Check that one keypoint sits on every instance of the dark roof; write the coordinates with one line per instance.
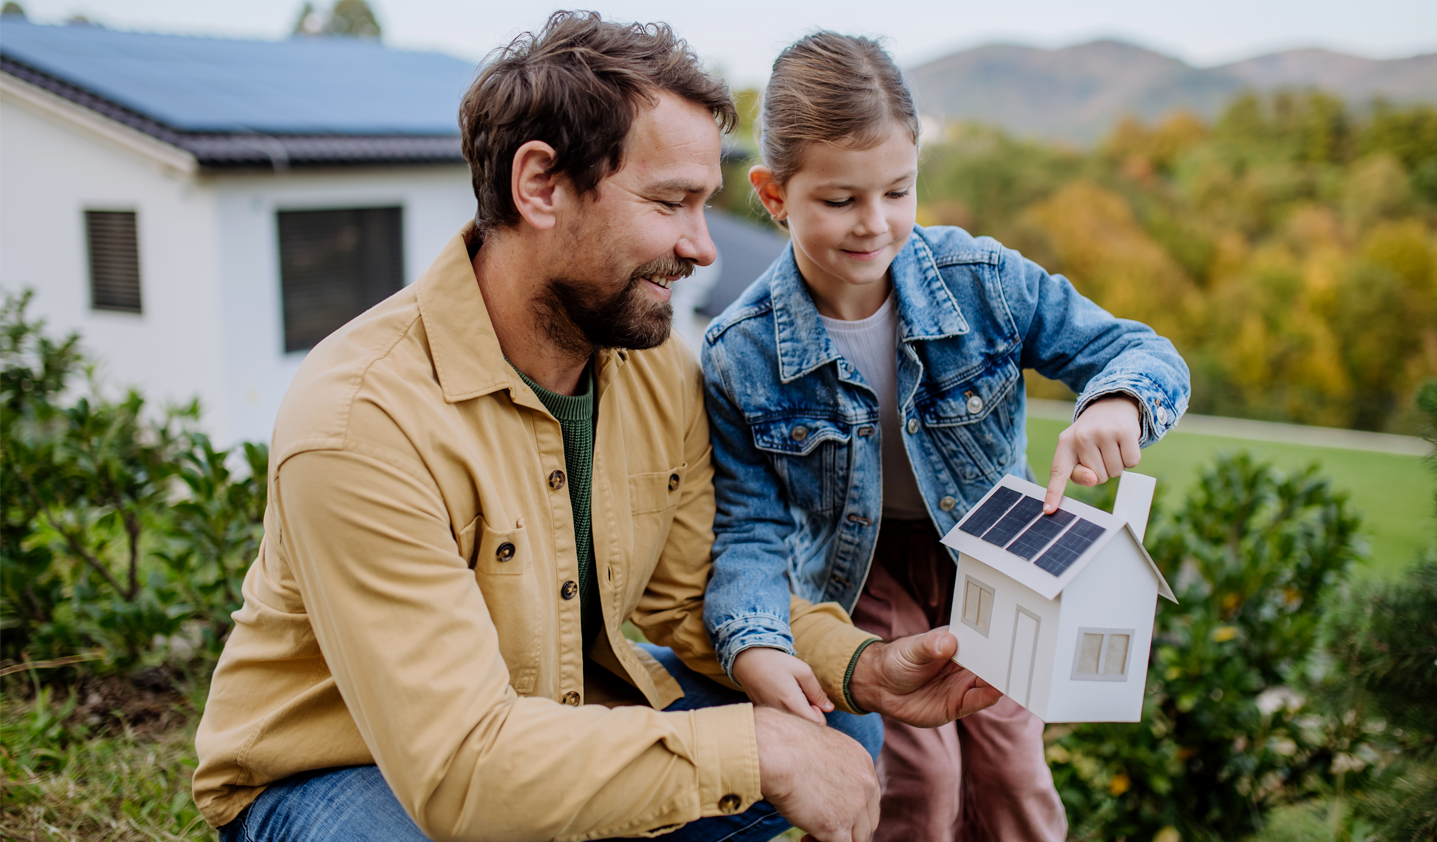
(245, 103)
(745, 251)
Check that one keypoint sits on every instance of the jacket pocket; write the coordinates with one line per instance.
(810, 455)
(657, 490)
(492, 552)
(971, 421)
(653, 500)
(504, 571)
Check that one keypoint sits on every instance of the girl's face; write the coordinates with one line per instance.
(849, 212)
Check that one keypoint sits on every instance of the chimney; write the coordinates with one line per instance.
(1135, 498)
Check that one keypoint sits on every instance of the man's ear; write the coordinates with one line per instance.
(769, 191)
(534, 185)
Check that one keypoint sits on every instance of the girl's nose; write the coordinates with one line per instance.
(871, 221)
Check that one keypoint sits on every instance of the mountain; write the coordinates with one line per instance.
(1077, 93)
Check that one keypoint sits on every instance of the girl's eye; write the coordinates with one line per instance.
(838, 204)
(898, 194)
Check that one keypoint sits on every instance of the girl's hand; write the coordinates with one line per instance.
(774, 678)
(1099, 445)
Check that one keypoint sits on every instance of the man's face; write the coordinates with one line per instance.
(639, 232)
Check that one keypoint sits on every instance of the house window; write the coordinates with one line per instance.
(1102, 655)
(977, 605)
(334, 265)
(114, 247)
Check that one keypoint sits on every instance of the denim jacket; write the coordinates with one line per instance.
(795, 427)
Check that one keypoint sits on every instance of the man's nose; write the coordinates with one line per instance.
(696, 244)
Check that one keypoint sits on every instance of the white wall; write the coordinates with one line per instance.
(436, 200)
(51, 170)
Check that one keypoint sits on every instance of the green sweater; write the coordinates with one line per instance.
(577, 418)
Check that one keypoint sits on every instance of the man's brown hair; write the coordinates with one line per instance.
(576, 85)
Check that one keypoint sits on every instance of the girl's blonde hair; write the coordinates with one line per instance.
(831, 88)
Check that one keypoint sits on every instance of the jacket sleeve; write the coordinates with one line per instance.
(1069, 338)
(430, 694)
(748, 602)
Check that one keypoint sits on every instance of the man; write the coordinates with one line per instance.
(475, 483)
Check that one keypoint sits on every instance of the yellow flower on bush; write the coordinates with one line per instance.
(1222, 634)
(1119, 784)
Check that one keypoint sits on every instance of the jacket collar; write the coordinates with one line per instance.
(926, 309)
(467, 358)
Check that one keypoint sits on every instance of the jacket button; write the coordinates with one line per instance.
(505, 551)
(799, 433)
(556, 480)
(571, 698)
(1162, 415)
(912, 425)
(866, 430)
(673, 482)
(947, 504)
(730, 803)
(975, 404)
(570, 589)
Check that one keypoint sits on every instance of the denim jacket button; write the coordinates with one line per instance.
(975, 404)
(947, 504)
(799, 433)
(1162, 414)
(912, 425)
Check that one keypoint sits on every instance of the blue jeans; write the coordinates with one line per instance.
(354, 804)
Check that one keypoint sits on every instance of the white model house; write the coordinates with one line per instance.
(1057, 610)
(204, 210)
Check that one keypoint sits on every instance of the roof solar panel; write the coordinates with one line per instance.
(1070, 546)
(987, 514)
(1043, 530)
(1013, 522)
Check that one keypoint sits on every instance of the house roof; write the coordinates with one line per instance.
(1008, 531)
(240, 103)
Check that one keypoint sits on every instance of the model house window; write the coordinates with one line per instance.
(977, 605)
(334, 265)
(1102, 655)
(112, 240)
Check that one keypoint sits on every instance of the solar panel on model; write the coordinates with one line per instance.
(1068, 548)
(987, 514)
(1043, 530)
(1013, 522)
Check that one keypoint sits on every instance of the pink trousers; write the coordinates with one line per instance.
(980, 779)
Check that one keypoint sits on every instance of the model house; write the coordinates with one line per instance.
(1057, 610)
(204, 210)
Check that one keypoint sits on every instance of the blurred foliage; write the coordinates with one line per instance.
(1251, 554)
(1289, 249)
(123, 532)
(354, 18)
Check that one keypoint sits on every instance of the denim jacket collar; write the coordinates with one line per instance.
(926, 309)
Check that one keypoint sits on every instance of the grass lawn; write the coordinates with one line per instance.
(1393, 493)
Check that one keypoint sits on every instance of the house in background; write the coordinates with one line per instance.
(1057, 610)
(204, 210)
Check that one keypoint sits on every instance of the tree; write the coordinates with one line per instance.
(354, 18)
(11, 8)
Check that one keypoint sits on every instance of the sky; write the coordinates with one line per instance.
(741, 37)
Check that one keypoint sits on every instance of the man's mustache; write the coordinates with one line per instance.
(668, 266)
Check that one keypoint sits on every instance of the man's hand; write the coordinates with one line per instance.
(774, 678)
(819, 779)
(914, 679)
(1099, 445)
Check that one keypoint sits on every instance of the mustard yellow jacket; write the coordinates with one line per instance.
(408, 607)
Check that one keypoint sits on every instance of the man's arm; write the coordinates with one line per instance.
(407, 635)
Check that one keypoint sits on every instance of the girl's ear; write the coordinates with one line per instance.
(534, 185)
(769, 191)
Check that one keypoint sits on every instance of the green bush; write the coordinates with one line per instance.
(123, 532)
(1224, 737)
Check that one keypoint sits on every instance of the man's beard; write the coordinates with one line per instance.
(580, 317)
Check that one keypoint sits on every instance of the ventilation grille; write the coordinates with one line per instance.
(334, 265)
(114, 246)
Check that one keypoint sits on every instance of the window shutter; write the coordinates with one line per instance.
(113, 241)
(334, 265)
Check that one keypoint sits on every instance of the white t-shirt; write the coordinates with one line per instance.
(871, 344)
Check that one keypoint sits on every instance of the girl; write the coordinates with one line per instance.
(863, 393)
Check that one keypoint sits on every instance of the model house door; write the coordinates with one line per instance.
(1022, 656)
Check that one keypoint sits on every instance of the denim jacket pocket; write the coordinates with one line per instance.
(810, 455)
(971, 421)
